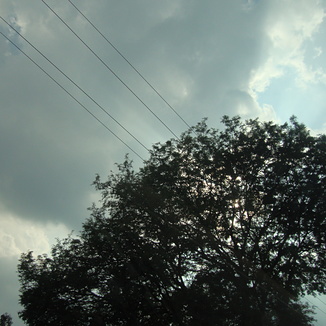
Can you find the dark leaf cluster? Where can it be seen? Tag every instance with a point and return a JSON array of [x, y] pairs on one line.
[[5, 320]]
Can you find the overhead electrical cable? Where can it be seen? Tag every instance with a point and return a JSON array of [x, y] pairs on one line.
[[74, 83], [112, 71], [321, 301], [72, 96], [323, 311], [129, 63]]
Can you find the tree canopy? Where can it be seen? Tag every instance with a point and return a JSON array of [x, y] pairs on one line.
[[217, 228]]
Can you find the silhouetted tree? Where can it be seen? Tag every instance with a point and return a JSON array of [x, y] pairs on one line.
[[5, 320], [218, 228]]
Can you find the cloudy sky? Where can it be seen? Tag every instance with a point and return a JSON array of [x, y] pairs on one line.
[[207, 58]]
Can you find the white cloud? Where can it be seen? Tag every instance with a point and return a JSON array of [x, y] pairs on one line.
[[289, 25], [18, 235]]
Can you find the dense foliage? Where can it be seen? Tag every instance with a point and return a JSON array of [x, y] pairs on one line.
[[217, 228]]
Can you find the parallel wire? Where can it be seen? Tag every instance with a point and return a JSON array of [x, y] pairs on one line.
[[74, 83], [321, 301], [72, 96], [110, 69], [324, 312], [129, 63]]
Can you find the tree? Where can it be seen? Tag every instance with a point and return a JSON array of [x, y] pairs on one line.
[[217, 228], [5, 320]]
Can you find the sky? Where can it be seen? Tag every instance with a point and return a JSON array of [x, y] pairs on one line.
[[207, 58]]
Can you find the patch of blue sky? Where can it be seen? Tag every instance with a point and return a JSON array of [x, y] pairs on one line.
[[288, 98]]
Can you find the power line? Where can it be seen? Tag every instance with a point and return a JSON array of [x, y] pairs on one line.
[[324, 312], [64, 74], [72, 96], [129, 63], [321, 301], [110, 69]]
